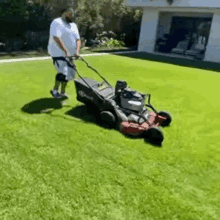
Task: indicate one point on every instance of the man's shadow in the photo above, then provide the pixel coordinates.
(90, 114)
(43, 105)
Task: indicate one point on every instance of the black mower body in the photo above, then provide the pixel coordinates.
(93, 93)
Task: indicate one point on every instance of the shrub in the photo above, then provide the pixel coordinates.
(107, 39)
(111, 43)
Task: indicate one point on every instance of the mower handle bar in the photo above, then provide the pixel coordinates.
(74, 66)
(79, 57)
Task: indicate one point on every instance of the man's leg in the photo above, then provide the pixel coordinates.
(69, 75)
(63, 87)
(57, 85)
(54, 92)
(63, 90)
(65, 71)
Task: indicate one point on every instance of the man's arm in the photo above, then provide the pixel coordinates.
(61, 45)
(78, 45)
(56, 31)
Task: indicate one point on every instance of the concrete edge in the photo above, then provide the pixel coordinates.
(48, 57)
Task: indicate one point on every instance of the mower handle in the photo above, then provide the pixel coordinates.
(74, 57)
(74, 66)
(149, 104)
(79, 57)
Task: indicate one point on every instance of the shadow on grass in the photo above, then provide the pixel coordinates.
(193, 63)
(82, 112)
(112, 50)
(92, 116)
(44, 105)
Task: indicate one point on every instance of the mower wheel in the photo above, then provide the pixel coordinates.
(154, 135)
(108, 118)
(168, 118)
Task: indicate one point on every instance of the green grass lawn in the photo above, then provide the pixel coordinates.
(56, 163)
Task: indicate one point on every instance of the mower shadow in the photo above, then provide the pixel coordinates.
(91, 116)
(43, 105)
(146, 140)
(84, 113)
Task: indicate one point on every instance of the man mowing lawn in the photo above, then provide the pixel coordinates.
(64, 42)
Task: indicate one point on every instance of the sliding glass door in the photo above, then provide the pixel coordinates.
(193, 29)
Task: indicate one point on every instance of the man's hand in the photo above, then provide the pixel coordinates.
(62, 46)
(76, 56)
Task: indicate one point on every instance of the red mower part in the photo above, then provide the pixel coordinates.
(133, 128)
(137, 129)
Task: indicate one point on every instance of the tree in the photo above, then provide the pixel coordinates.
(13, 11)
(38, 17)
(92, 17)
(95, 16)
(12, 16)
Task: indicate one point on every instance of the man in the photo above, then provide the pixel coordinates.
(64, 42)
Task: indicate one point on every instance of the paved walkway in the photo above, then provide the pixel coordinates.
(48, 57)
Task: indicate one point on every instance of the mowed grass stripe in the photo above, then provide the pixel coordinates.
(57, 166)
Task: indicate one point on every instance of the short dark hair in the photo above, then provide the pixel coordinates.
(63, 9)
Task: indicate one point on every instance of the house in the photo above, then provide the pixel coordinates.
(166, 24)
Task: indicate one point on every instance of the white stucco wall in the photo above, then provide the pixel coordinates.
(176, 3)
(213, 47)
(148, 30)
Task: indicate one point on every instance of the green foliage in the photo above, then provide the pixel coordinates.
(92, 17)
(13, 11)
(107, 39)
(38, 17)
(104, 15)
(111, 43)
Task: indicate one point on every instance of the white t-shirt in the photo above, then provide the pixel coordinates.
(68, 32)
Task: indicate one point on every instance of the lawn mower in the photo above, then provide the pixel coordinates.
(122, 107)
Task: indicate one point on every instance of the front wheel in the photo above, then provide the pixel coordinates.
(154, 135)
(168, 118)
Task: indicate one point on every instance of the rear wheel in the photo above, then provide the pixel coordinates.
(154, 135)
(108, 119)
(168, 118)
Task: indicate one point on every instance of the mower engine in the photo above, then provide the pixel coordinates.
(128, 98)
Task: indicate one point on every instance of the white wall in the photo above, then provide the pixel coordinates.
(176, 3)
(213, 48)
(148, 30)
(144, 3)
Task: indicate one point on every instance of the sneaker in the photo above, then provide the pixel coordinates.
(63, 95)
(55, 93)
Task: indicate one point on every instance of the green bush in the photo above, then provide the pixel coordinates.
(111, 43)
(106, 39)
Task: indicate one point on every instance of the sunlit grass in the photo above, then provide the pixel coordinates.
(59, 164)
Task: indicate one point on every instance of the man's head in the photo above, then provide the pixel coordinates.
(67, 14)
